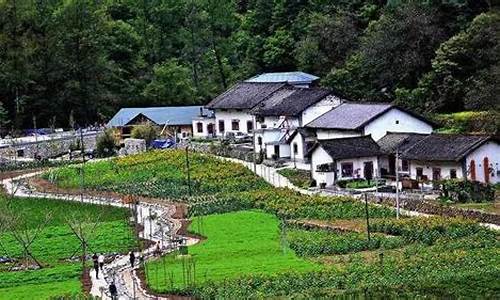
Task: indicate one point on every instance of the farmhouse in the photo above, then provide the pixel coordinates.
(449, 156)
(285, 110)
(233, 108)
(344, 158)
(375, 119)
(172, 121)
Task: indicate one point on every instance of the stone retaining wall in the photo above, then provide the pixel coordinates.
(47, 148)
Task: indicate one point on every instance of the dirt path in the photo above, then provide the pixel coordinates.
(159, 224)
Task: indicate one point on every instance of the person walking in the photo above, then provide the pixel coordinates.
(132, 258)
(100, 260)
(96, 265)
(113, 291)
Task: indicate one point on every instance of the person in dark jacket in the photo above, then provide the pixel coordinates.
(132, 258)
(113, 291)
(96, 265)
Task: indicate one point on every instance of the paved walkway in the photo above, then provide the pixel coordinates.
(158, 224)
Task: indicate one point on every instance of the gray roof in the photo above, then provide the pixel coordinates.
(305, 132)
(444, 147)
(402, 140)
(244, 95)
(173, 115)
(350, 116)
(290, 101)
(289, 77)
(352, 147)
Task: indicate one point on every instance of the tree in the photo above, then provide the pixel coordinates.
(171, 85)
(463, 72)
(146, 131)
(106, 143)
(4, 117)
(394, 52)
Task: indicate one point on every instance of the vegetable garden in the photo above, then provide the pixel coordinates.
(251, 251)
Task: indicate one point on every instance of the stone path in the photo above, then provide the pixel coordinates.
(158, 224)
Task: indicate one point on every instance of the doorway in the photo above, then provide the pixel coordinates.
(277, 151)
(368, 170)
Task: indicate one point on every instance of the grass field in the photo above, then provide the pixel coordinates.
(55, 243)
(238, 244)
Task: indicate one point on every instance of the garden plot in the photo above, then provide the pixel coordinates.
(49, 265)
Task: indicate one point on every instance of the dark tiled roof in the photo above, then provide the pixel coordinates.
(352, 147)
(349, 116)
(404, 140)
(290, 101)
(444, 147)
(244, 95)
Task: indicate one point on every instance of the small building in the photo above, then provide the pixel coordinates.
(285, 110)
(344, 159)
(450, 156)
(301, 141)
(171, 120)
(232, 108)
(297, 78)
(375, 119)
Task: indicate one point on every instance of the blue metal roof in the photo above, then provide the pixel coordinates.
(290, 77)
(171, 115)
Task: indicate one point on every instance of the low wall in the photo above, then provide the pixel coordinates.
(428, 207)
(48, 147)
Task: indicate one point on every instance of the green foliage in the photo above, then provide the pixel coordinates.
(429, 230)
(106, 143)
(469, 121)
(462, 191)
(322, 242)
(238, 244)
(356, 183)
(299, 178)
(4, 116)
(146, 131)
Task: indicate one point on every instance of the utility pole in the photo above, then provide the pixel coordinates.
(254, 146)
(188, 171)
(367, 218)
(397, 183)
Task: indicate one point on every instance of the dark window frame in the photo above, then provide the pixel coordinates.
(199, 127)
(344, 168)
(235, 125)
(222, 126)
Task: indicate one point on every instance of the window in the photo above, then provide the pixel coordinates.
(295, 148)
(420, 173)
(346, 169)
(210, 128)
(199, 127)
(235, 125)
(221, 126)
(405, 165)
(453, 173)
(397, 121)
(20, 153)
(249, 126)
(259, 140)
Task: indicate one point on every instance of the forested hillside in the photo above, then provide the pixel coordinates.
(79, 61)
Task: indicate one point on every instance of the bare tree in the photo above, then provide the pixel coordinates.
(83, 228)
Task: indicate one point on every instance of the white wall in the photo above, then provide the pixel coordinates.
(326, 134)
(228, 115)
(319, 157)
(301, 147)
(358, 166)
(395, 120)
(205, 122)
(268, 136)
(284, 151)
(319, 109)
(491, 150)
(445, 167)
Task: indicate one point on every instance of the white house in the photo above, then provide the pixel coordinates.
(449, 156)
(343, 159)
(301, 141)
(204, 125)
(359, 119)
(286, 110)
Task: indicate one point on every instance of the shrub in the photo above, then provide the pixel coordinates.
(467, 191)
(106, 144)
(146, 131)
(299, 178)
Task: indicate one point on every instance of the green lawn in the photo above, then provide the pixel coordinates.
(56, 243)
(238, 244)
